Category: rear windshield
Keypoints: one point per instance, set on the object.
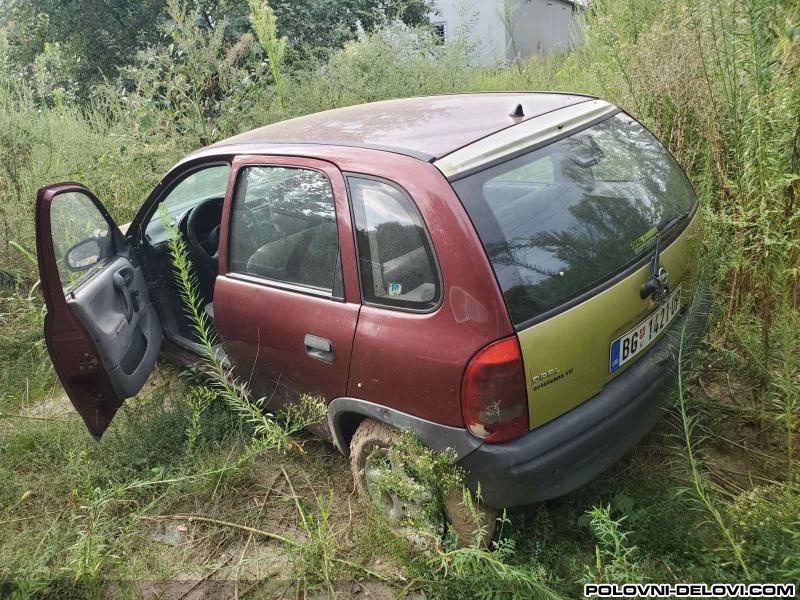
(559, 220)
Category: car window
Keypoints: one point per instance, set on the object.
(283, 226)
(203, 184)
(396, 261)
(539, 171)
(551, 238)
(81, 238)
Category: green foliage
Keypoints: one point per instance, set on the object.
(769, 518)
(25, 370)
(615, 556)
(420, 477)
(98, 146)
(53, 74)
(701, 490)
(476, 572)
(197, 400)
(358, 72)
(313, 28)
(423, 478)
(265, 26)
(197, 86)
(85, 43)
(317, 555)
(87, 39)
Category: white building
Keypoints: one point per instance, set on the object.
(506, 29)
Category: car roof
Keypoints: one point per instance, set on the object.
(427, 127)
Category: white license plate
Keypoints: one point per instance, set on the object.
(625, 347)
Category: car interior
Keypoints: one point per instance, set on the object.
(283, 227)
(195, 206)
(395, 259)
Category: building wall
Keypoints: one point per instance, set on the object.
(481, 19)
(539, 26)
(544, 25)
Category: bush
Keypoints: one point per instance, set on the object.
(769, 521)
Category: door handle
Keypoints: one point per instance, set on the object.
(318, 347)
(121, 280)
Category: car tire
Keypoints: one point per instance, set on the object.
(466, 522)
(373, 438)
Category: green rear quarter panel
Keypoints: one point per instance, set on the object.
(566, 357)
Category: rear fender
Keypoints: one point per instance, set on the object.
(345, 414)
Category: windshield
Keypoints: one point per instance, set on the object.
(559, 220)
(203, 184)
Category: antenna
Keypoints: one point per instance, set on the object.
(517, 113)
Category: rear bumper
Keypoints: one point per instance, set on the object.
(571, 450)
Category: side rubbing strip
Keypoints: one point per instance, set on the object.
(508, 141)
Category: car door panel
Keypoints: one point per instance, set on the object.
(101, 330)
(122, 324)
(287, 339)
(265, 338)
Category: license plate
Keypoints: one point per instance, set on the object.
(635, 341)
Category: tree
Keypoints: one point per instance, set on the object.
(95, 38)
(314, 25)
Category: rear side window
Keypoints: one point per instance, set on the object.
(283, 227)
(560, 220)
(395, 258)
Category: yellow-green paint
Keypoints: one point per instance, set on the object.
(569, 352)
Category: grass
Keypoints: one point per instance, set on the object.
(77, 514)
(176, 489)
(25, 372)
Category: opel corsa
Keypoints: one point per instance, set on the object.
(508, 275)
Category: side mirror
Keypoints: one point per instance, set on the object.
(84, 255)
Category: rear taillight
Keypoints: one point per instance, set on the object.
(494, 398)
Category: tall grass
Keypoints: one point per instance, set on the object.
(718, 81)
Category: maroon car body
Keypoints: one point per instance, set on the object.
(387, 345)
(296, 316)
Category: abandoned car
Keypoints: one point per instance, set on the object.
(508, 275)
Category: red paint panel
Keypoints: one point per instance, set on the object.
(264, 329)
(414, 362)
(264, 324)
(434, 125)
(411, 362)
(75, 358)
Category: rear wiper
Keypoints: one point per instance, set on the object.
(657, 286)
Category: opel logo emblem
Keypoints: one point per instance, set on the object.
(663, 276)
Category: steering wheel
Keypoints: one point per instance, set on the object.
(202, 229)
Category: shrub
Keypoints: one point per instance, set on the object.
(769, 519)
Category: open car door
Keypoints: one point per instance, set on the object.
(102, 332)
